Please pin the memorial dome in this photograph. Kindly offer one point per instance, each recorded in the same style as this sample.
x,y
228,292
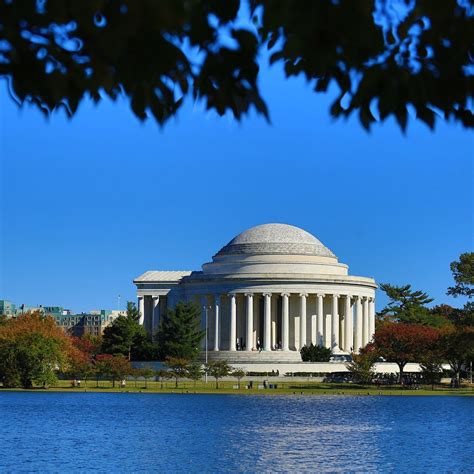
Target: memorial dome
x,y
275,239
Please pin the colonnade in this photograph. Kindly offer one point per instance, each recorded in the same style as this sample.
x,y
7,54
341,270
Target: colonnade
x,y
341,322
153,320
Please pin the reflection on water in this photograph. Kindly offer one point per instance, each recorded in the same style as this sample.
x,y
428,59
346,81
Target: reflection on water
x,y
215,433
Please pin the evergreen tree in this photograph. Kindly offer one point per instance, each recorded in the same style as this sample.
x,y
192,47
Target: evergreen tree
x,y
179,334
125,335
408,306
463,274
314,353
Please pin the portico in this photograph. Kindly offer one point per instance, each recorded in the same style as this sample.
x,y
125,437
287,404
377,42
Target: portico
x,y
314,318
274,287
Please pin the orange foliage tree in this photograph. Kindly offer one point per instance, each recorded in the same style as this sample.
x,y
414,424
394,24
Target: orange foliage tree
x,y
32,349
402,343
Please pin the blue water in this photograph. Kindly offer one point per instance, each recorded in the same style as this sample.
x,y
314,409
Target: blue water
x,y
61,432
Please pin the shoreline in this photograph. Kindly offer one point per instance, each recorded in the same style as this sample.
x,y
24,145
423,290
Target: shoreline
x,y
462,392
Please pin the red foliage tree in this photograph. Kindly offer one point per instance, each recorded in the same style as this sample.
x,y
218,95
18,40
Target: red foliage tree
x,y
403,343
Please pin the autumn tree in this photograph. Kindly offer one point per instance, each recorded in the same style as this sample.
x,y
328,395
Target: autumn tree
x,y
82,366
376,57
403,343
179,334
114,367
32,349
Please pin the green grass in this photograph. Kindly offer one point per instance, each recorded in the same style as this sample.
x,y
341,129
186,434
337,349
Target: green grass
x,y
284,388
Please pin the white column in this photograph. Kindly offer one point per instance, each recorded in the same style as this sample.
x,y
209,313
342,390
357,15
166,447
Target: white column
x,y
320,321
156,313
342,330
267,324
303,319
372,319
141,310
358,328
285,321
217,305
349,337
327,330
249,309
233,322
335,324
365,324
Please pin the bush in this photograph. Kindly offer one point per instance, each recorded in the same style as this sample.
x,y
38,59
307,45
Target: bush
x,y
314,353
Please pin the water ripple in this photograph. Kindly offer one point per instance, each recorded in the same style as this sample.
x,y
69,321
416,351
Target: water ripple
x,y
61,432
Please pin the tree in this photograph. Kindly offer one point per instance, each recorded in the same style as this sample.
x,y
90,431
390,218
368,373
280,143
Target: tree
x,y
116,367
362,365
32,349
88,344
239,374
431,370
402,343
314,353
82,367
179,334
145,372
457,348
177,368
195,372
408,306
124,334
163,374
218,369
159,54
101,367
463,317
463,274
440,315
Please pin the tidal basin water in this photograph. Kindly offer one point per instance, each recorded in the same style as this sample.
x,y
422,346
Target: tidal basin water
x,y
81,432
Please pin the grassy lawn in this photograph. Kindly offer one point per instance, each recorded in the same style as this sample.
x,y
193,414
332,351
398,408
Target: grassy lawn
x,y
284,388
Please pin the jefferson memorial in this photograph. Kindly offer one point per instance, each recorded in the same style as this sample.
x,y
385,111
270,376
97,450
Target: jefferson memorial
x,y
271,290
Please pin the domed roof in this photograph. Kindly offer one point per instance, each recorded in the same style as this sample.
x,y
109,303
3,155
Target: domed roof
x,y
274,239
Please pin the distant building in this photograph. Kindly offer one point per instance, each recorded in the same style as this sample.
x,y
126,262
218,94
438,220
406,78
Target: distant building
x,y
92,323
7,308
76,325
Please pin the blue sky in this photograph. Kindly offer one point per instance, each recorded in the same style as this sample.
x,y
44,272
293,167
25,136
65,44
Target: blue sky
x,y
89,204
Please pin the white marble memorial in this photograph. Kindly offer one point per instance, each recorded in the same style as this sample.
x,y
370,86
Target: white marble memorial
x,y
271,290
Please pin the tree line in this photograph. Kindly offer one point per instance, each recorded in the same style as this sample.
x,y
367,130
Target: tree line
x,y
408,331
33,349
